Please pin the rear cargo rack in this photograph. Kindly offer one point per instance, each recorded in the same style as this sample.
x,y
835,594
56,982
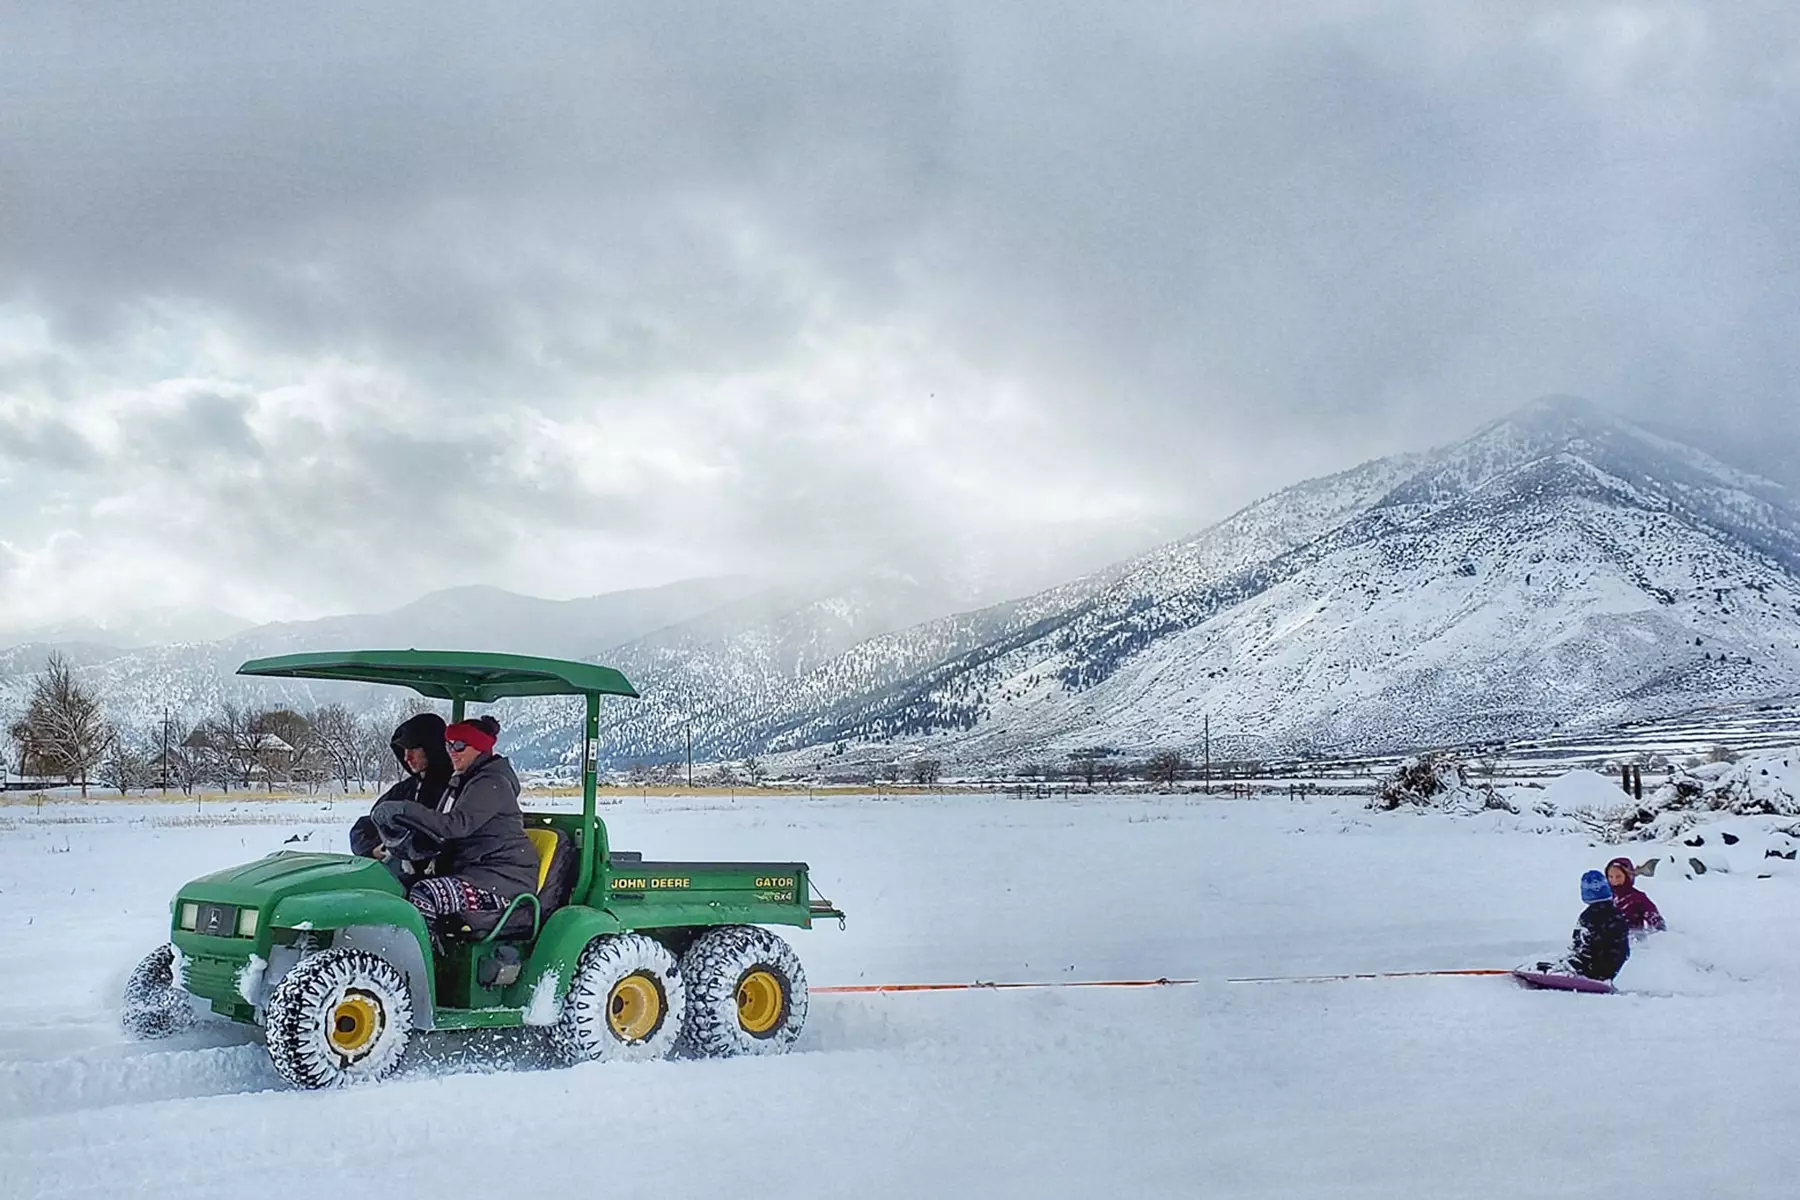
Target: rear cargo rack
x,y
819,906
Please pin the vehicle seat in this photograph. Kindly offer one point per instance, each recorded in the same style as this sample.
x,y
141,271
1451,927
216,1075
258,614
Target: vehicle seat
x,y
558,865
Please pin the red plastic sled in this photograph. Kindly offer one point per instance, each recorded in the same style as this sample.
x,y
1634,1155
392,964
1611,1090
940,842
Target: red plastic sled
x,y
1561,983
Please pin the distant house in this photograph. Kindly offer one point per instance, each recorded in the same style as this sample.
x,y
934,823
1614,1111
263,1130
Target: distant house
x,y
244,758
272,758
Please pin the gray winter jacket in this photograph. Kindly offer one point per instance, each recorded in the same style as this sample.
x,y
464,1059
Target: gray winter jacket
x,y
478,827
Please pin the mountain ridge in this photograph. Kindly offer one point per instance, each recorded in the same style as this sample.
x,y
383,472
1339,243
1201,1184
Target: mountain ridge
x,y
1556,567
755,632
1553,479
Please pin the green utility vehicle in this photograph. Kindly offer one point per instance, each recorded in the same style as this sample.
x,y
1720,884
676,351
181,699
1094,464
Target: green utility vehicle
x,y
614,956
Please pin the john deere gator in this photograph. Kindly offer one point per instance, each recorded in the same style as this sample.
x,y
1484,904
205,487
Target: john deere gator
x,y
614,956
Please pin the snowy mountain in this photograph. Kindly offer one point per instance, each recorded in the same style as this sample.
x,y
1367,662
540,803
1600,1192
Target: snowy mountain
x,y
815,676
191,679
1559,568
762,670
731,647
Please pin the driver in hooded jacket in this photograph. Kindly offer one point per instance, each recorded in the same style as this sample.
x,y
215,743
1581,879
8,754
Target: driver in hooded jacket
x,y
483,858
425,771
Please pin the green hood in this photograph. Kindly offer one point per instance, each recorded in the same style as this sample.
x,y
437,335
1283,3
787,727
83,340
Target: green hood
x,y
290,873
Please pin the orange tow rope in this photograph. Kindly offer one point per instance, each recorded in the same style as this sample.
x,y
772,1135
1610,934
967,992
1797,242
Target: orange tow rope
x,y
981,985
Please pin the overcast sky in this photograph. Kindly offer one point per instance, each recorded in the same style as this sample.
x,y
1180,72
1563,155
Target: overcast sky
x,y
306,308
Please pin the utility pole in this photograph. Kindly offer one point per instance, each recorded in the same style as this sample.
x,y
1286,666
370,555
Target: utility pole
x,y
1206,750
690,751
165,753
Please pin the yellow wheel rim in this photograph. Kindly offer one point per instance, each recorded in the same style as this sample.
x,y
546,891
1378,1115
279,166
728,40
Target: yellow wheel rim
x,y
759,1002
635,1008
356,1021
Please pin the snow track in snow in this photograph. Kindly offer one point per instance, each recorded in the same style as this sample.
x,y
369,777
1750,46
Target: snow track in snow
x,y
222,1060
114,1076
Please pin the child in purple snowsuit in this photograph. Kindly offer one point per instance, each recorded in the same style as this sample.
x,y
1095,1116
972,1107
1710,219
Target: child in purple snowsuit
x,y
1640,914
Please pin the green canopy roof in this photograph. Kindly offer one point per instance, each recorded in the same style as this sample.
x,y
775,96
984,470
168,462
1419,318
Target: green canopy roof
x,y
451,674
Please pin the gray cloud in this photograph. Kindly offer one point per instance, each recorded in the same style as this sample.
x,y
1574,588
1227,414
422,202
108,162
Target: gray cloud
x,y
35,439
696,286
196,425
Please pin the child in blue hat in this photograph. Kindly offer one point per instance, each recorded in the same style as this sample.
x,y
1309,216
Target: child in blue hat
x,y
1602,939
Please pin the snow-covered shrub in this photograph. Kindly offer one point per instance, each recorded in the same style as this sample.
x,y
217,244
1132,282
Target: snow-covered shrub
x,y
1757,785
1419,781
1438,782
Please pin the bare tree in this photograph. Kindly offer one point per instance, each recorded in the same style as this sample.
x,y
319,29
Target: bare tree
x,y
1084,765
927,771
236,740
15,761
642,773
201,759
1166,767
377,762
1110,770
169,757
755,771
126,766
186,767
64,732
338,741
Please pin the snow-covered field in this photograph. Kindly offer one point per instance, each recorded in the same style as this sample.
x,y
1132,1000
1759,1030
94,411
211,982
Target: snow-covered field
x,y
1687,1085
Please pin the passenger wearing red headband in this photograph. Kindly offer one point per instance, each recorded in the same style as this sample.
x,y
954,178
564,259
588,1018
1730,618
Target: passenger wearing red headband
x,y
485,859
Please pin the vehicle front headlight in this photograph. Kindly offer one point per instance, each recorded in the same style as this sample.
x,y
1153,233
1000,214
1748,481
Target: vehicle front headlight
x,y
190,916
246,923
